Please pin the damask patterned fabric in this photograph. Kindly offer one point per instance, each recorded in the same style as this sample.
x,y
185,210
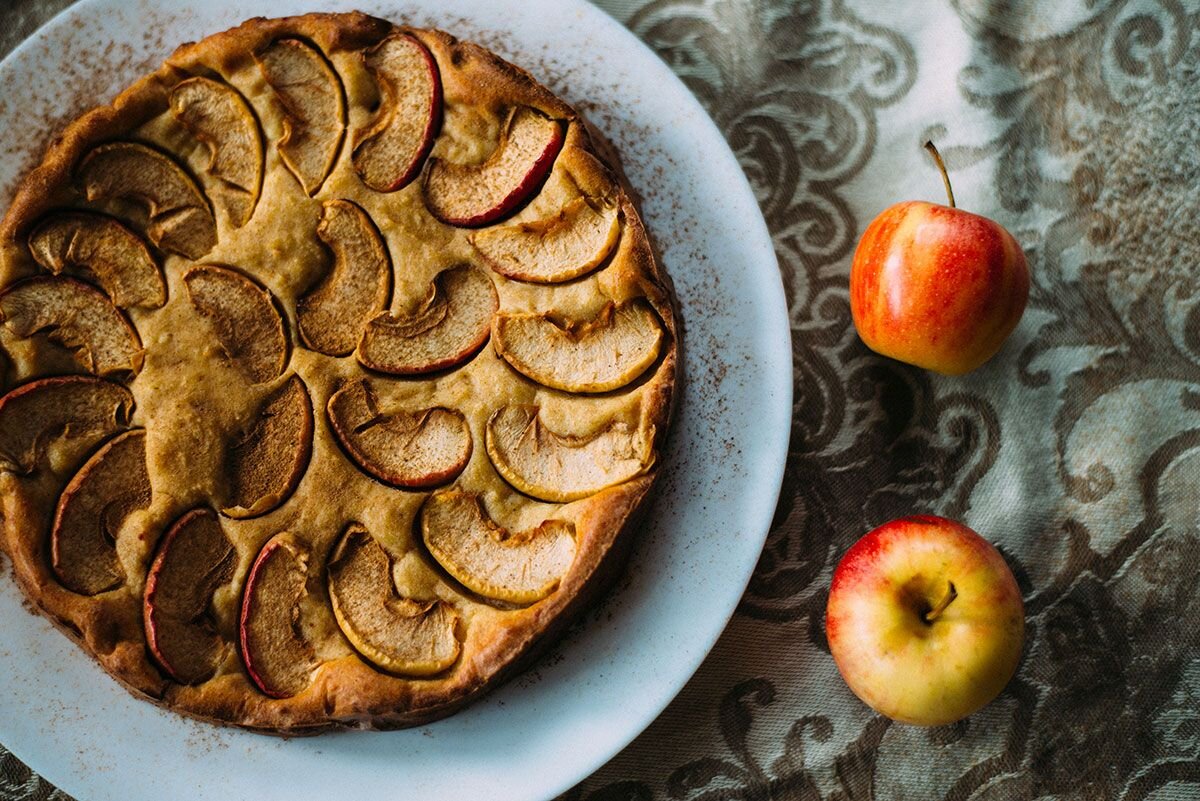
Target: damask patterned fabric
x,y
1076,123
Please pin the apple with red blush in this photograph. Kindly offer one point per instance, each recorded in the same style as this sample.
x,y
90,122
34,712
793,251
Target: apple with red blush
x,y
936,286
925,620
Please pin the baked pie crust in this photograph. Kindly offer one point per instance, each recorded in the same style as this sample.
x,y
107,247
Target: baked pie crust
x,y
337,367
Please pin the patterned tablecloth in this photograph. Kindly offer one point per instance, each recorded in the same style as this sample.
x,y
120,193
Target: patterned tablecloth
x,y
1076,123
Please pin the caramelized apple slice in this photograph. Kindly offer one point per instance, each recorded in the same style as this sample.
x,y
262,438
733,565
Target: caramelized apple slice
x,y
180,220
414,449
76,316
73,406
267,461
398,635
473,195
110,486
314,109
359,284
194,559
554,249
244,317
277,656
449,326
554,467
518,568
595,355
218,115
390,152
104,250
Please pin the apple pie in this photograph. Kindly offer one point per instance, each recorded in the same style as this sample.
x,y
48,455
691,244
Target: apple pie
x,y
337,366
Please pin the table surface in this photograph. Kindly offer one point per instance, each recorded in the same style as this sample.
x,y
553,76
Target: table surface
x,y
1076,450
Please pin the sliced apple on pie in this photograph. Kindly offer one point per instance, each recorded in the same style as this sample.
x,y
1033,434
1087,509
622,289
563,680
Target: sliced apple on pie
x,y
217,115
244,318
358,285
76,316
179,219
267,461
597,355
109,487
392,149
558,467
314,108
278,657
488,559
553,249
194,559
397,635
411,449
103,250
474,195
446,329
72,407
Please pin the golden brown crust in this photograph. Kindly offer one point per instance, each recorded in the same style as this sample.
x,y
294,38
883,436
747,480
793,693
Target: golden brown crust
x,y
345,691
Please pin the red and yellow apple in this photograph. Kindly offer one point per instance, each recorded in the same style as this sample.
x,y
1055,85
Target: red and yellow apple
x,y
936,286
925,620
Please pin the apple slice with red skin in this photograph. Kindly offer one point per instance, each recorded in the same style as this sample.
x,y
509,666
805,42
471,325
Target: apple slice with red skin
x,y
179,218
278,659
474,195
597,355
76,316
267,461
397,635
194,559
244,318
359,284
110,486
514,567
553,249
217,115
74,407
556,467
103,250
925,620
314,108
411,449
449,326
390,152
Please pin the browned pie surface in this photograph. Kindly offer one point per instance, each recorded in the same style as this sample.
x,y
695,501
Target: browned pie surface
x,y
374,365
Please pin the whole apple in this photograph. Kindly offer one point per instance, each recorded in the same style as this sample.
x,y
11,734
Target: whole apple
x,y
925,620
936,286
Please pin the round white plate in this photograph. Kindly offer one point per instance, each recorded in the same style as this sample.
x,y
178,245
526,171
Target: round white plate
x,y
613,674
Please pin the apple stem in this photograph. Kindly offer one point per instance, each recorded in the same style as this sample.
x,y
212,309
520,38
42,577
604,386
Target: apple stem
x,y
941,165
947,599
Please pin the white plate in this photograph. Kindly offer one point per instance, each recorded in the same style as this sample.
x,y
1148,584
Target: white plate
x,y
611,676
